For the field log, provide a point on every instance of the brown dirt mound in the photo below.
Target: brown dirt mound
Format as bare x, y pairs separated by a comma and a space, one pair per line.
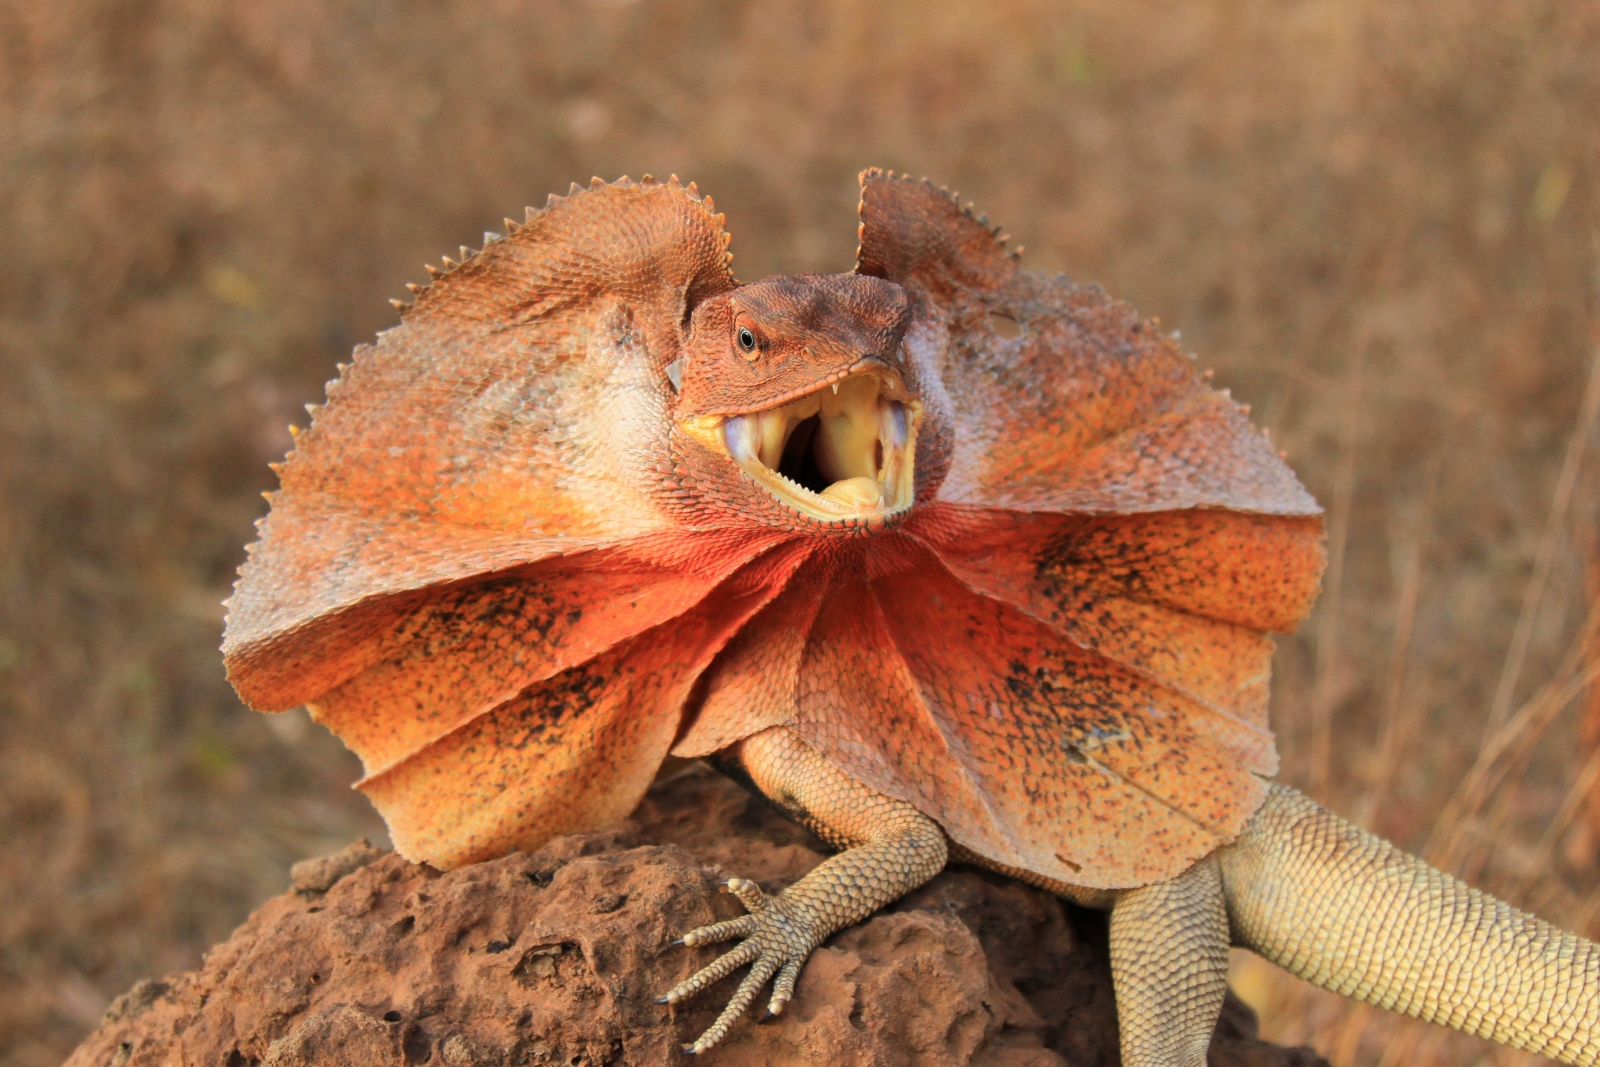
556, 958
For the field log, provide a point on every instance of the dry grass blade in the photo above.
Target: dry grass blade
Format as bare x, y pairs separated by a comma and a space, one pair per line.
207, 203
1322, 696
1516, 738
1401, 719
1578, 794
1589, 723
1554, 528
1347, 1039
1524, 729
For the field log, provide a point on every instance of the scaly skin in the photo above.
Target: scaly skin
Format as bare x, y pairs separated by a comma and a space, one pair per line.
958, 559
890, 848
1302, 887
1349, 912
1169, 967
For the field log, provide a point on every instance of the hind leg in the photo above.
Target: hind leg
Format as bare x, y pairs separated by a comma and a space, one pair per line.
1169, 965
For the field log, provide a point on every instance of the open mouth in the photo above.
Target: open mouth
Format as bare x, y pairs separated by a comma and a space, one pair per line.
839, 453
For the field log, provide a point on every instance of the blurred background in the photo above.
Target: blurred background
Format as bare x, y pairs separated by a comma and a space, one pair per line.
1374, 219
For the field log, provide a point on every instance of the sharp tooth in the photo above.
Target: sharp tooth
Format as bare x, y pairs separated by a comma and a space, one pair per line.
856, 492
774, 434
894, 420
742, 435
848, 436
895, 432
856, 391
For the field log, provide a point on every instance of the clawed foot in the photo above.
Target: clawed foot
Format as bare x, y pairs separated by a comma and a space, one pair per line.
777, 942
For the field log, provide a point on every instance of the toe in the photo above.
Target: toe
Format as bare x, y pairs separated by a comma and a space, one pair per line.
783, 986
764, 969
749, 894
723, 966
723, 931
775, 940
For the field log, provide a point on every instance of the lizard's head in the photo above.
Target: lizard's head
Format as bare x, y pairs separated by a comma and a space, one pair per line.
798, 380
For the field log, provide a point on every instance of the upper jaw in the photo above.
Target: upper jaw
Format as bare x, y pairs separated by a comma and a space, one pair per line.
839, 453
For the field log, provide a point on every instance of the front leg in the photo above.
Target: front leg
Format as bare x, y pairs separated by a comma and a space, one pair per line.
889, 846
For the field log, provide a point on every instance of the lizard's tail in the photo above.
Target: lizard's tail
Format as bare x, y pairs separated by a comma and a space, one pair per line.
1349, 912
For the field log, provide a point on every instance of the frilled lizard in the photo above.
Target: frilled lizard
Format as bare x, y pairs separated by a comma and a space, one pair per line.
950, 559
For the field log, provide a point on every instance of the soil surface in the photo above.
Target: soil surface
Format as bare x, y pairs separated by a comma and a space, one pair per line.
557, 957
1373, 220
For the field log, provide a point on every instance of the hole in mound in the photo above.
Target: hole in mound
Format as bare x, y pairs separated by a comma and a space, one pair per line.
416, 1046
1005, 325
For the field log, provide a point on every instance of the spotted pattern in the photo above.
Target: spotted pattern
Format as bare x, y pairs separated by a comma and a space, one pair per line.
471, 647
1028, 748
1183, 598
572, 752
505, 574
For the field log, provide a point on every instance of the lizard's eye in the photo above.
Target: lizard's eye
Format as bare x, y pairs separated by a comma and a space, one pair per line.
747, 340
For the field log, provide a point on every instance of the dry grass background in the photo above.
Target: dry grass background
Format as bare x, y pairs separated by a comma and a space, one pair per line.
1373, 218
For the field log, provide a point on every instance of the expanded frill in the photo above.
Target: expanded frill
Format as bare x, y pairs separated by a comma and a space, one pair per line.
984, 538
